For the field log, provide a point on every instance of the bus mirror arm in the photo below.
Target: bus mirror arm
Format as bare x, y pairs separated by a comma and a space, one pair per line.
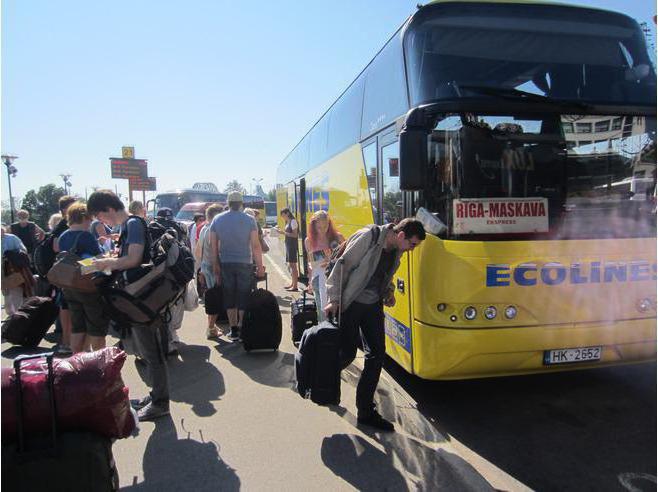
413, 149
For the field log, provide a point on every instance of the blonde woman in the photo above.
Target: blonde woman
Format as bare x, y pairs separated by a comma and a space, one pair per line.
53, 221
322, 239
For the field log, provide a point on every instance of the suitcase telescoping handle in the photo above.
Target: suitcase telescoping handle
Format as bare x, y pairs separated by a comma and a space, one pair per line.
51, 396
336, 322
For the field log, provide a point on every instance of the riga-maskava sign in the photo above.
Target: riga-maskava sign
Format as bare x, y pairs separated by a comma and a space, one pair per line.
499, 215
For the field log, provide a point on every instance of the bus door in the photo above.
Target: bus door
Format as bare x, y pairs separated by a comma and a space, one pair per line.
394, 207
300, 214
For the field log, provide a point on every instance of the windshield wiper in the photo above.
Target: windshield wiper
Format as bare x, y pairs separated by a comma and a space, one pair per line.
516, 94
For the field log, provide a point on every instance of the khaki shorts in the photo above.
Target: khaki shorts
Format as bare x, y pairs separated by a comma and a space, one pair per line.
87, 313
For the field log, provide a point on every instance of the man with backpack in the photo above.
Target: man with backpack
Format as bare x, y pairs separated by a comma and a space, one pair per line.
133, 251
358, 287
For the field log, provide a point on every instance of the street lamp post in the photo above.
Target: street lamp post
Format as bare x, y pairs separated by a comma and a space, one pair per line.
67, 182
11, 173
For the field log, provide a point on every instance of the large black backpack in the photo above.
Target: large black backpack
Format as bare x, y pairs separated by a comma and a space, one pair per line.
154, 286
30, 323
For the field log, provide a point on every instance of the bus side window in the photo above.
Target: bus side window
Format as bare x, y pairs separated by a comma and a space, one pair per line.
392, 196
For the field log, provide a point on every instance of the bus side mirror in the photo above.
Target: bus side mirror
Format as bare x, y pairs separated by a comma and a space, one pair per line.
413, 151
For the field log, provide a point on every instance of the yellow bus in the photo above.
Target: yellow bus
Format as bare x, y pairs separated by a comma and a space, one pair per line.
505, 127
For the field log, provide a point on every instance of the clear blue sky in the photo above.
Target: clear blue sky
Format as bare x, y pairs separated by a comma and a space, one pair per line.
205, 90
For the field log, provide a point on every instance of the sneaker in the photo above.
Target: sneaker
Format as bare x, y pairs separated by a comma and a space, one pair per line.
139, 404
377, 421
151, 412
212, 333
235, 333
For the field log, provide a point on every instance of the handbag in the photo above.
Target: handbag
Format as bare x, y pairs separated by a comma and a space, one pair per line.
12, 281
191, 296
65, 272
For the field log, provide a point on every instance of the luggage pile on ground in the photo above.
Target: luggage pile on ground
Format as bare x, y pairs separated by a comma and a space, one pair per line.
30, 323
89, 393
59, 417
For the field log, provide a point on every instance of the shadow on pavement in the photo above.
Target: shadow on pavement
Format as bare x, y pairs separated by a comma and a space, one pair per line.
365, 467
394, 407
268, 368
193, 379
171, 463
583, 427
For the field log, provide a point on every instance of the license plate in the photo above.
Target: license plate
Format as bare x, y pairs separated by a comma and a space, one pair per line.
572, 355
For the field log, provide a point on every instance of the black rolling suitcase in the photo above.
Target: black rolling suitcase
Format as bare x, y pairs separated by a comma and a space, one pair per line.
261, 326
61, 462
303, 315
30, 323
317, 364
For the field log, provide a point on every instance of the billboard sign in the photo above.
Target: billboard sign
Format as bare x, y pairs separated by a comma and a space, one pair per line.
128, 168
142, 184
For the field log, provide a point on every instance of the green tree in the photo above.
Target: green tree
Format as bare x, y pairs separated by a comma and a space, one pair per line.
43, 203
6, 211
271, 195
235, 186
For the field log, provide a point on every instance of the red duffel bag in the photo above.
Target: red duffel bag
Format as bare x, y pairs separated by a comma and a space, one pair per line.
89, 395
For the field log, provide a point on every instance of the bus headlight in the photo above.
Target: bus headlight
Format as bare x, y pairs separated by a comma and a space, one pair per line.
470, 313
644, 305
510, 312
490, 312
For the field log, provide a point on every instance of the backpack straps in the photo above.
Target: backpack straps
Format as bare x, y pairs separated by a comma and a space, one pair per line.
74, 248
146, 255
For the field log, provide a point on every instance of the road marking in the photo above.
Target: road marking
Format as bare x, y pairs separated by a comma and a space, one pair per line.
285, 276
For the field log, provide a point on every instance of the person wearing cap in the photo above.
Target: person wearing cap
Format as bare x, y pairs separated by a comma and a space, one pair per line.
165, 217
235, 248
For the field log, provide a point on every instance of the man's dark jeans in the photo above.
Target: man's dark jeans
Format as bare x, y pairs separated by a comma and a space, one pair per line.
369, 320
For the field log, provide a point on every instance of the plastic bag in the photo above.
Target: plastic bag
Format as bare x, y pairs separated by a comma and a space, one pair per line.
191, 296
89, 395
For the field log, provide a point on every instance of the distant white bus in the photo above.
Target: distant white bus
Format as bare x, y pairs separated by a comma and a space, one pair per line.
270, 214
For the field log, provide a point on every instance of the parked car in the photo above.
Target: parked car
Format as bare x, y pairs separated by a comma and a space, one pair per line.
187, 212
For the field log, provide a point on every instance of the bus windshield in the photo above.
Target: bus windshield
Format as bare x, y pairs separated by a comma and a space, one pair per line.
484, 50
544, 176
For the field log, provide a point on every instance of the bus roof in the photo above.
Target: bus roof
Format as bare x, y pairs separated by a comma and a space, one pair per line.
522, 2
